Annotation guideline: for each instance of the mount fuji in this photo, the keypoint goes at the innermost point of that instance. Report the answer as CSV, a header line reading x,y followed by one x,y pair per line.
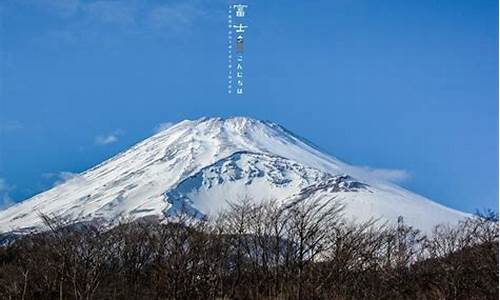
x,y
201,165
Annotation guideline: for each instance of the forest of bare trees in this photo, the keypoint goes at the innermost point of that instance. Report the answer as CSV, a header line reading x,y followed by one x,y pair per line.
x,y
303,250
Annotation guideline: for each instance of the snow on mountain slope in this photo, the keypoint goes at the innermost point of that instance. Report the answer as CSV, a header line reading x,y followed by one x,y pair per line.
x,y
246,175
203,164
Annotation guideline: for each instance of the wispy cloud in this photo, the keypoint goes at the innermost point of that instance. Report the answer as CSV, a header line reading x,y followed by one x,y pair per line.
x,y
163,126
9,126
175,16
390,175
113,12
61,8
5,200
61,177
134,16
109,138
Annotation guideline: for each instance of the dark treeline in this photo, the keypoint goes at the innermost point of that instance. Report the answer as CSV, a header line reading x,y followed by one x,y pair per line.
x,y
264,251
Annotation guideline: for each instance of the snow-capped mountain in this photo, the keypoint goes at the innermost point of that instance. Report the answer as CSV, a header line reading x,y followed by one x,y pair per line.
x,y
200,165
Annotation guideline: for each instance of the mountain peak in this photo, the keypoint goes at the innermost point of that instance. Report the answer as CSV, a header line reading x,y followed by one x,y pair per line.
x,y
237,123
204,163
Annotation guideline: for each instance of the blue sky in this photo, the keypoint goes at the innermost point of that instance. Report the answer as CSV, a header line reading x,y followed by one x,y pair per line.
x,y
408,89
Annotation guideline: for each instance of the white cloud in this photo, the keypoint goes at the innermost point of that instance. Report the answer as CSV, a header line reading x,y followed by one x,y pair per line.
x,y
9,126
136,15
3,184
64,177
114,12
371,174
163,126
108,138
394,175
5,200
174,16
61,8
